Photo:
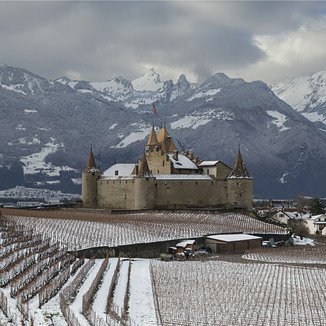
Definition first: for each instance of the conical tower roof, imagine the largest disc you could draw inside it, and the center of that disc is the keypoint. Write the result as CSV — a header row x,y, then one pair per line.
x,y
91,162
165,141
152,141
239,169
144,169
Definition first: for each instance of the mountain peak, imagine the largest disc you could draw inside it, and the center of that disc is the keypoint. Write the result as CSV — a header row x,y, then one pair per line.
x,y
151,81
182,81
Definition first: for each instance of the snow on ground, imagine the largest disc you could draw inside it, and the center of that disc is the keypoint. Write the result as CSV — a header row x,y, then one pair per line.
x,y
149,82
99,304
26,111
141,301
314,117
35,163
76,306
297,241
49,313
200,118
210,92
120,290
113,126
279,119
141,132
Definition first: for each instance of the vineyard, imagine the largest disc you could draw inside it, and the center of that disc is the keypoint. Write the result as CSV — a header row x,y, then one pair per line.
x,y
306,255
230,293
43,283
84,230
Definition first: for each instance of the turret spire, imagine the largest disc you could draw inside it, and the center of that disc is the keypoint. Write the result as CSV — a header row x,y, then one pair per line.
x,y
152,141
165,140
144,169
239,169
91,162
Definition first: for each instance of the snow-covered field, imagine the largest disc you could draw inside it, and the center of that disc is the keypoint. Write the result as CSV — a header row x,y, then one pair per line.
x,y
230,293
85,230
208,292
303,252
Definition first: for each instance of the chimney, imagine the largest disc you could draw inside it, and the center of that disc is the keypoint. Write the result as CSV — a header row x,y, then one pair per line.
x,y
191,155
175,155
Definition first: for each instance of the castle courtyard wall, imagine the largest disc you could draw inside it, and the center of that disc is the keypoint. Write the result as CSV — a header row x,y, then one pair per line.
x,y
118,193
190,193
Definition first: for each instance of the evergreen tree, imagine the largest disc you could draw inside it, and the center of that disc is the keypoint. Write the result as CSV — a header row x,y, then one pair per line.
x,y
316,206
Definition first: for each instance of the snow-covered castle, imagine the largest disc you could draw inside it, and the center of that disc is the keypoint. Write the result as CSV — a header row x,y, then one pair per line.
x,y
167,179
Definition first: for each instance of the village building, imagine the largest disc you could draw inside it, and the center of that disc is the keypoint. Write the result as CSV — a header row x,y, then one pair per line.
x,y
186,245
232,243
167,179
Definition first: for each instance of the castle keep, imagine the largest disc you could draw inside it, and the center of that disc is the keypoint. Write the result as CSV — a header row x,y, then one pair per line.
x,y
167,179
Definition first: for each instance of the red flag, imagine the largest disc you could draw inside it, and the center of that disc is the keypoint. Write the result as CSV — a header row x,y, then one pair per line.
x,y
154,110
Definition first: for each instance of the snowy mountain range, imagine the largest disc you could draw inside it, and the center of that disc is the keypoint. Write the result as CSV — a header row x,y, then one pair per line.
x,y
306,94
48,127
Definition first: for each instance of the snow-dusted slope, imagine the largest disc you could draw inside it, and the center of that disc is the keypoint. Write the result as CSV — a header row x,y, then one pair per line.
x,y
149,82
48,127
306,94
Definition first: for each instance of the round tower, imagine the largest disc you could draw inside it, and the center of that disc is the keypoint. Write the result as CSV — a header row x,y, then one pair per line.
x,y
90,176
145,190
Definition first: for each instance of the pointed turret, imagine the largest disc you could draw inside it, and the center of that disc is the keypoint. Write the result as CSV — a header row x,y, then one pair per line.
x,y
89,182
144,169
152,141
167,145
239,169
91,162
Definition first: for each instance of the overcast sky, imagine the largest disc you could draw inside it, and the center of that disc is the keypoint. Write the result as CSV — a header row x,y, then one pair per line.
x,y
97,41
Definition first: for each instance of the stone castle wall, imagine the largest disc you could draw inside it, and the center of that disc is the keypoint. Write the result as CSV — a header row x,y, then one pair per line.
x,y
150,193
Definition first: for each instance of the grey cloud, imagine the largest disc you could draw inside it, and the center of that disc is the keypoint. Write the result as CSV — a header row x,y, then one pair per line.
x,y
101,40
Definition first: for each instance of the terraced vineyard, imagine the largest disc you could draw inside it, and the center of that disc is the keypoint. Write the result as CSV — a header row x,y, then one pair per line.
x,y
43,283
83,230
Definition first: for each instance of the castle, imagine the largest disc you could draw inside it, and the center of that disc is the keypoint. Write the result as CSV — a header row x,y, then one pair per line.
x,y
167,179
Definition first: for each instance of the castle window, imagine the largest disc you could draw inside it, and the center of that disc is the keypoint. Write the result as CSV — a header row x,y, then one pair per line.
x,y
116,172
158,171
207,171
125,196
163,163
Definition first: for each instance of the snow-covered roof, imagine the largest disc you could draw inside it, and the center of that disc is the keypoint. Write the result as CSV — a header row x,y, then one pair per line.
x,y
182,177
183,162
208,163
185,243
123,170
233,237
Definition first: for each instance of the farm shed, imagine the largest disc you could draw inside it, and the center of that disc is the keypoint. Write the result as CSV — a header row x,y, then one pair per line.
x,y
186,244
232,243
